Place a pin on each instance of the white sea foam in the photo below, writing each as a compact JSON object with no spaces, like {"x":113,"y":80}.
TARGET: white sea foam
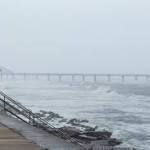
{"x":125,"y":113}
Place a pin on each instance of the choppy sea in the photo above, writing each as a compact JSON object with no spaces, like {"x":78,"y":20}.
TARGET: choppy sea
{"x":123,"y":109}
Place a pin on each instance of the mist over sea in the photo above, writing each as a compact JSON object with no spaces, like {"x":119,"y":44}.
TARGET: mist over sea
{"x":123,"y":109}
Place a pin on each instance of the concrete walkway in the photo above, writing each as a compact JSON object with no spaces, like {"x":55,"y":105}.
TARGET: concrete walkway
{"x":10,"y":140}
{"x":38,"y":136}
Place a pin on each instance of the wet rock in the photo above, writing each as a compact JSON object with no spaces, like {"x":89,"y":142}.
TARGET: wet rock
{"x":88,"y":128}
{"x":108,"y":142}
{"x":54,"y":115}
{"x":79,"y":123}
{"x":84,"y":121}
{"x":95,"y":136}
{"x":99,"y":134}
{"x":49,"y":118}
{"x":114,"y":142}
{"x":62,"y":120}
{"x":40,"y":115}
{"x":48,"y":115}
{"x":79,"y":130}
{"x":75,"y":121}
{"x":43,"y":112}
{"x":73,"y":132}
{"x":85,"y":138}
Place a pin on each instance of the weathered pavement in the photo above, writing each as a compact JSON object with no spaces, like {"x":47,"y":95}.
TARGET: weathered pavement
{"x":10,"y":140}
{"x":38,"y":136}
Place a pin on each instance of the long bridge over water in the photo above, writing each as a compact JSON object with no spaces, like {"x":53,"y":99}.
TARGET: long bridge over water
{"x":73,"y":76}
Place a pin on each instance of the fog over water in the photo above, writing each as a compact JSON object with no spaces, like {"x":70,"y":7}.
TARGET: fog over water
{"x":81,"y":36}
{"x":98,"y":36}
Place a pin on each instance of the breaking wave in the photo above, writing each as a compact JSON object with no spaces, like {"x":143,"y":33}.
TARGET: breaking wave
{"x":122,"y":109}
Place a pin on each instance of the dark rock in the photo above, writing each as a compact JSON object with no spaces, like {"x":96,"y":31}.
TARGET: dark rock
{"x":48,"y":115}
{"x":108,"y":142}
{"x":86,"y":135}
{"x":63,"y":120}
{"x":78,"y":123}
{"x":99,"y":134}
{"x":114,"y":142}
{"x":89,"y":129}
{"x":43,"y":112}
{"x":73,"y":122}
{"x":54,"y":115}
{"x":84,"y":121}
{"x":40,"y":115}
{"x":73,"y":132}
{"x":100,"y":143}
{"x":86,"y":138}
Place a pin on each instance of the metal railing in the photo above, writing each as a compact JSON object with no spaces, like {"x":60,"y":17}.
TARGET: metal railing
{"x":26,"y":115}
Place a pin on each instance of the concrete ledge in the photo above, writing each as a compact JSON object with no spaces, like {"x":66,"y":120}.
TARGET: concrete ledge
{"x":35,"y":135}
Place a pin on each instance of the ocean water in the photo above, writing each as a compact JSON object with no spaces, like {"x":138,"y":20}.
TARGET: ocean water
{"x":123,"y":109}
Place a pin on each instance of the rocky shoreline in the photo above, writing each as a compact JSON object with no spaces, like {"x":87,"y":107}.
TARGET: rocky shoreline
{"x":59,"y":121}
{"x":82,"y":131}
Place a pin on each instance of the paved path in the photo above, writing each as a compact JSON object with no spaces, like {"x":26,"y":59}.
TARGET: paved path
{"x":38,"y":136}
{"x":10,"y":140}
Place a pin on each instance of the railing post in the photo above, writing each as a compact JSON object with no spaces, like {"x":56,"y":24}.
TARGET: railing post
{"x":4,"y":104}
{"x":33,"y":121}
{"x":29,"y":118}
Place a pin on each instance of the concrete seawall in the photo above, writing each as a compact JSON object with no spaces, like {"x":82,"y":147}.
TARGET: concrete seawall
{"x":35,"y":135}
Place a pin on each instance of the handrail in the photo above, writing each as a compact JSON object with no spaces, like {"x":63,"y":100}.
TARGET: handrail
{"x":34,"y":119}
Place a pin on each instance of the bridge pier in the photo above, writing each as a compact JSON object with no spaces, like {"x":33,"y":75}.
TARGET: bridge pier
{"x":59,"y":78}
{"x":73,"y":78}
{"x":147,"y":78}
{"x":109,"y":78}
{"x":37,"y":76}
{"x":136,"y":78}
{"x":48,"y":77}
{"x":83,"y":78}
{"x":122,"y":78}
{"x":24,"y":76}
{"x":95,"y":78}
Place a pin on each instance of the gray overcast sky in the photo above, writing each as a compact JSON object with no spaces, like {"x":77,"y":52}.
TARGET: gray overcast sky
{"x":102,"y":36}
